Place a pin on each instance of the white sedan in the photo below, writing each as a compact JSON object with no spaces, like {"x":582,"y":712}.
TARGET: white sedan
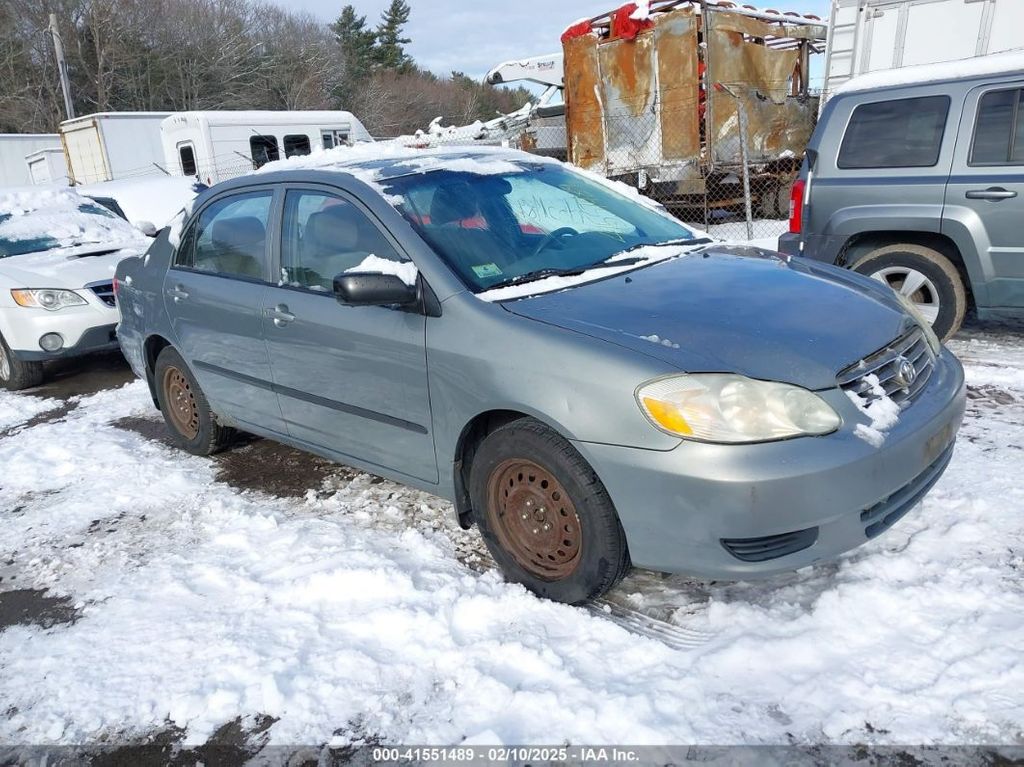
{"x":58,"y":252}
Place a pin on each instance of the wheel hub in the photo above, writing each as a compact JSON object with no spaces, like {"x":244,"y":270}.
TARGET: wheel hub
{"x":913,"y":285}
{"x":534,"y":519}
{"x":181,"y":403}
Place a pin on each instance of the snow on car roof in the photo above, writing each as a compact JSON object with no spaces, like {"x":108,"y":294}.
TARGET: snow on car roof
{"x":59,"y":215}
{"x":1010,"y":62}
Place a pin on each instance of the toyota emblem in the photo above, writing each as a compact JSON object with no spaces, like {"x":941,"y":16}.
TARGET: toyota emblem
{"x":905,"y":372}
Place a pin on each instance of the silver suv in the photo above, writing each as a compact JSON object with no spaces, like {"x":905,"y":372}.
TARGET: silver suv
{"x":916,"y":178}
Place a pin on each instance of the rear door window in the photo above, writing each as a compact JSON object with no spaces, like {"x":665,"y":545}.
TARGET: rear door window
{"x":230,"y":237}
{"x":187,"y":156}
{"x":904,"y":133}
{"x":999,"y":129}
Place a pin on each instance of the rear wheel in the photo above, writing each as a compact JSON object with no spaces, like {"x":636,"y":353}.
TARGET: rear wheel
{"x":926,"y":277}
{"x":192,"y":424}
{"x":15,"y":374}
{"x":545,"y":515}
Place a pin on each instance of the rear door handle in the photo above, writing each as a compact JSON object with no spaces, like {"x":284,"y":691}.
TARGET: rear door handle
{"x":177,"y":293}
{"x":992,"y":193}
{"x":280,"y":315}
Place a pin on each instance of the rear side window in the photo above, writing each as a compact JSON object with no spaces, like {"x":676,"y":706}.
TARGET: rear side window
{"x":230,"y":237}
{"x":905,"y":133}
{"x":296,"y":145}
{"x":188,"y":160}
{"x":999,"y":129}
{"x":264,"y":149}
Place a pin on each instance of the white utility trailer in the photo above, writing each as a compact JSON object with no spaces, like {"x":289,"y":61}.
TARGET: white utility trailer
{"x":218,"y":145}
{"x":869,"y":35}
{"x":14,"y":148}
{"x":47,"y":166}
{"x":112,"y":145}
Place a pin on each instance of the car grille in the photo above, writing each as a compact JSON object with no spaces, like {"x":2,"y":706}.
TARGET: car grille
{"x":889,"y":510}
{"x":104,"y":291}
{"x":903,"y":368}
{"x":770,"y":546}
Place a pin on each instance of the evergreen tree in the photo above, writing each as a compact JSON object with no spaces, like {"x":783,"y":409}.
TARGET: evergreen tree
{"x":390,"y":51}
{"x":358,"y":44}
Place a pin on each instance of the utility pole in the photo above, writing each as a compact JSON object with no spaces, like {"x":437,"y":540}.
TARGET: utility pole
{"x":62,"y":66}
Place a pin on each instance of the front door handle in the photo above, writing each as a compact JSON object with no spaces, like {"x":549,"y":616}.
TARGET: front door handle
{"x":280,"y":315}
{"x":992,"y":193}
{"x":177,"y":293}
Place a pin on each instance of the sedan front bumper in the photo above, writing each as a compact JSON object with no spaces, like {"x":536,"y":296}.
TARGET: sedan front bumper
{"x":745,"y":511}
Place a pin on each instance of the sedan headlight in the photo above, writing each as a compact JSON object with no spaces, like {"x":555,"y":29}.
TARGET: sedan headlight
{"x":51,"y":299}
{"x":722,"y":407}
{"x":926,"y":327}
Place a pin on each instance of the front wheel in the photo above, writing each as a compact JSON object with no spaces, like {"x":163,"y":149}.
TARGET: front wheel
{"x":926,"y":277}
{"x":16,"y":375}
{"x":545,"y":515}
{"x":192,"y":424}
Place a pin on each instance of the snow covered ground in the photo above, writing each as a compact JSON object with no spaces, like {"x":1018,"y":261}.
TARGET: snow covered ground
{"x":357,"y":611}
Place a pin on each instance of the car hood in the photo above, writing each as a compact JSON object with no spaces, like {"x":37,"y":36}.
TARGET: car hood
{"x":734,"y":309}
{"x":65,"y":267}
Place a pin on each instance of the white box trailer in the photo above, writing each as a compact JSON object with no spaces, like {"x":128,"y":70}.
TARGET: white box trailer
{"x":48,"y":166}
{"x":112,"y":145}
{"x":217,"y":145}
{"x":14,"y":148}
{"x":869,"y":35}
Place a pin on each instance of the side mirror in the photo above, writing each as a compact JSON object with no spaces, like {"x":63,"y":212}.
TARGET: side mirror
{"x":374,"y":289}
{"x":148,"y":228}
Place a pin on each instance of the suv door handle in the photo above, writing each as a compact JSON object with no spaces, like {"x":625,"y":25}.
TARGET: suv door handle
{"x":280,"y":315}
{"x":992,"y":193}
{"x":177,"y":293}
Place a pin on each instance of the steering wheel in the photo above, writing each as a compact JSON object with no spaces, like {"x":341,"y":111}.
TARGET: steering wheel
{"x":552,"y":237}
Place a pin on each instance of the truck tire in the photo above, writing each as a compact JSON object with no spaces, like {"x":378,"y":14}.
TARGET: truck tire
{"x":15,"y":374}
{"x":545,"y":515}
{"x":926,"y":277}
{"x":192,"y":424}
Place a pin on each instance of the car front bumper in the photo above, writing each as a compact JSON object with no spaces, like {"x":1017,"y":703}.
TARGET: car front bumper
{"x":84,"y":330}
{"x":704,"y":510}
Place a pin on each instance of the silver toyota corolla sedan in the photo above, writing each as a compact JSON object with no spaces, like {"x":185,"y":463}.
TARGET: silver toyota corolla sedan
{"x":592,"y":383}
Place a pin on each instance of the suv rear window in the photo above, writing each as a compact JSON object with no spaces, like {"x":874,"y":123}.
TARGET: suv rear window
{"x":999,"y":132}
{"x":905,"y":133}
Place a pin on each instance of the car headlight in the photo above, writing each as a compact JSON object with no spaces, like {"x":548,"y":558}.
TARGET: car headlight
{"x":926,"y":327}
{"x":728,"y":408}
{"x":51,"y":299}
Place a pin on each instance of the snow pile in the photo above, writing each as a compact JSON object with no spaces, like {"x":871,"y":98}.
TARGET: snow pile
{"x":656,"y":339}
{"x":880,"y":410}
{"x":346,"y":614}
{"x":57,"y":215}
{"x":155,"y":199}
{"x":1010,"y":62}
{"x":17,"y":408}
{"x":405,"y":270}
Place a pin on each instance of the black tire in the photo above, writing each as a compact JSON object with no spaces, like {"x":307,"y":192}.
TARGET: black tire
{"x":191,"y":423}
{"x":595,"y":556}
{"x":15,"y":374}
{"x":949,"y":291}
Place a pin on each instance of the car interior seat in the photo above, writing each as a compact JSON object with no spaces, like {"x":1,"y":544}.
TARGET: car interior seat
{"x":333,"y":242}
{"x":239,"y":246}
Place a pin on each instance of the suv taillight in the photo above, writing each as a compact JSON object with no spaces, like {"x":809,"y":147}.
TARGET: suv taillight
{"x":114,"y":286}
{"x":796,"y":206}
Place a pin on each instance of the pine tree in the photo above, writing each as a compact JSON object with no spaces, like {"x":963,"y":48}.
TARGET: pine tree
{"x":390,"y":50}
{"x":357,"y":42}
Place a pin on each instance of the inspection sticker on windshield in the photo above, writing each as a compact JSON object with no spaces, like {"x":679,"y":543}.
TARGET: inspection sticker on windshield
{"x":487,"y":270}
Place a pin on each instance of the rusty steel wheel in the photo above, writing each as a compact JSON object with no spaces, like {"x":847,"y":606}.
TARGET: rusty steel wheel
{"x":544,"y":513}
{"x":182,"y":410}
{"x":534,"y":519}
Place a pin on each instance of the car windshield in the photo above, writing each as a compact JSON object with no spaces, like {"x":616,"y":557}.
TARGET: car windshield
{"x":502,"y":228}
{"x":61,"y":226}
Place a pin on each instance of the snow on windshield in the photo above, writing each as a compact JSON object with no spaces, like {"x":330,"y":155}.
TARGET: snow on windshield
{"x":34,"y":220}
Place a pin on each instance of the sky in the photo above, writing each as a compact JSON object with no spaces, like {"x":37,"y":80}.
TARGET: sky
{"x":472,"y":37}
